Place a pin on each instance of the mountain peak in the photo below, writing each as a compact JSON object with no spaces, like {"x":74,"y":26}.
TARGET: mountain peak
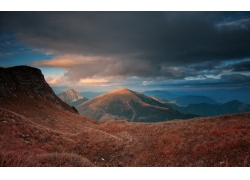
{"x":71,"y":91}
{"x":70,"y":96}
{"x":122,"y":90}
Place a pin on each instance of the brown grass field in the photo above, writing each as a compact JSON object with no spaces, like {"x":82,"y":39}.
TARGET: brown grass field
{"x":36,"y":132}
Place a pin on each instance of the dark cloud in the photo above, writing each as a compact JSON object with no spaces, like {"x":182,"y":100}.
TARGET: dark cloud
{"x":173,"y":37}
{"x":242,"y":66}
{"x":236,"y":78}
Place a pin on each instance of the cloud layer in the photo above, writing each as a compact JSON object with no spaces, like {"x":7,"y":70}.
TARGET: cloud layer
{"x":153,"y":46}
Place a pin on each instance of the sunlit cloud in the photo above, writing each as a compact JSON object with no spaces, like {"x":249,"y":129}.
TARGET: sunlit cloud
{"x":70,"y":61}
{"x":92,"y":81}
{"x":54,"y":80}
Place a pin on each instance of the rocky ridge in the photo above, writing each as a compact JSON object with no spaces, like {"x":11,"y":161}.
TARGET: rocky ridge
{"x":24,"y":82}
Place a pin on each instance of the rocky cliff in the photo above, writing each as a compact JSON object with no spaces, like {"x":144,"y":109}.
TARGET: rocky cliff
{"x":22,"y":83}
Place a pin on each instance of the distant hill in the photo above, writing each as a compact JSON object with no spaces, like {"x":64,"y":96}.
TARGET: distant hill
{"x":125,"y":104}
{"x":183,"y":100}
{"x":90,"y":94}
{"x":190,"y":99}
{"x":72,"y":97}
{"x":220,"y":95}
{"x":205,"y":109}
{"x":160,"y":94}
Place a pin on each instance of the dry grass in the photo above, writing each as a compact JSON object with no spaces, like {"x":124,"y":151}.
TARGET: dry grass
{"x":62,"y":160}
{"x":50,"y":136}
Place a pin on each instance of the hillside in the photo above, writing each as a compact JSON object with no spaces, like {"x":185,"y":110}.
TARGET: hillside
{"x":125,"y":104}
{"x":72,"y":97}
{"x":39,"y":132}
{"x":78,"y":141}
{"x":205,"y":109}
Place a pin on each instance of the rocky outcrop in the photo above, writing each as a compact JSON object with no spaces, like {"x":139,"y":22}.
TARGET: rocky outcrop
{"x":70,"y":96}
{"x":27,"y":81}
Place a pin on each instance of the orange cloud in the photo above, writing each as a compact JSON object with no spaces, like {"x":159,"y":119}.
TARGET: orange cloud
{"x":92,"y":81}
{"x":69,"y":61}
{"x":54,"y":80}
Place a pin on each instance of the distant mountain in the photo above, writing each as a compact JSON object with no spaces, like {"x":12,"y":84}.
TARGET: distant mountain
{"x":125,"y":104}
{"x":205,"y":109}
{"x":72,"y":97}
{"x":190,"y":99}
{"x":160,"y":94}
{"x":220,"y":95}
{"x":90,"y":94}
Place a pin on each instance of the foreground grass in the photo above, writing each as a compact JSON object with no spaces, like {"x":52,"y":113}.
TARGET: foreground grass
{"x":77,"y":141}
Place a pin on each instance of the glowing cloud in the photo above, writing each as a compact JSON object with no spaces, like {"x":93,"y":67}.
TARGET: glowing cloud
{"x":92,"y":81}
{"x":54,"y":80}
{"x":69,"y":61}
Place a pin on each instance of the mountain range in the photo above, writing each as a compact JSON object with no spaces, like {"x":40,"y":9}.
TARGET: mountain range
{"x":113,"y":106}
{"x":181,"y":100}
{"x":205,"y":109}
{"x":219,"y":95}
{"x":129,"y":105}
{"x":191,"y":99}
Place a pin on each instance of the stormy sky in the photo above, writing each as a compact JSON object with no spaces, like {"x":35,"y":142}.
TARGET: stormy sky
{"x":102,"y":51}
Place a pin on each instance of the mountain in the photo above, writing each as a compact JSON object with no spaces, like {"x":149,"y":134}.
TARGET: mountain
{"x":72,"y":97}
{"x":205,"y":109}
{"x":190,"y":99}
{"x":90,"y":94}
{"x":38,"y":129}
{"x":129,"y":105}
{"x":160,"y":94}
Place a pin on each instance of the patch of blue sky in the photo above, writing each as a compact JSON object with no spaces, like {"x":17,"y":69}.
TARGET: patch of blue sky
{"x":14,"y":52}
{"x":52,"y":71}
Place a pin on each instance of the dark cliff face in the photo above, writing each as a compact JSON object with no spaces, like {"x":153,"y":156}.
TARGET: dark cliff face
{"x":27,"y":82}
{"x":25,"y":79}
